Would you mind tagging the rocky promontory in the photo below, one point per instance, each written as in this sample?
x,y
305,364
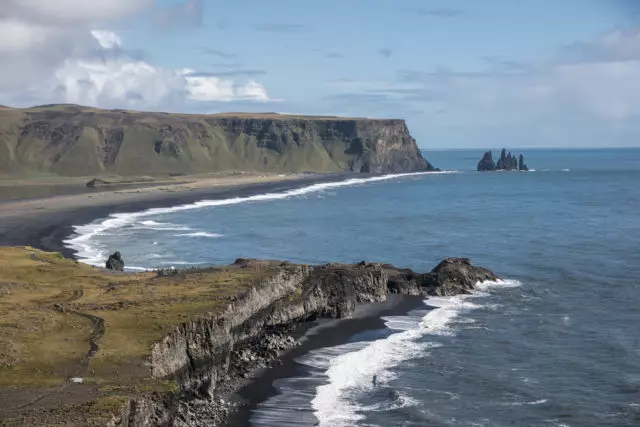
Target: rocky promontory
x,y
171,349
506,162
72,140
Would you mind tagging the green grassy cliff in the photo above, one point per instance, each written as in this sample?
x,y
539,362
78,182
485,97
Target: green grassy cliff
x,y
70,140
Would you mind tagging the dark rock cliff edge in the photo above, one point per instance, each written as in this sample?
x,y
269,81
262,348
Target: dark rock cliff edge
x,y
210,359
71,140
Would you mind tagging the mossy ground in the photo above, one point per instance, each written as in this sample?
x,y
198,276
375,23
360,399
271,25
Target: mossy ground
x,y
48,307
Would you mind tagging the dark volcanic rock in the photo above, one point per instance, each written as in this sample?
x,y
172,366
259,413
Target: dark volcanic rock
x,y
487,163
506,162
97,182
454,276
210,358
115,262
521,165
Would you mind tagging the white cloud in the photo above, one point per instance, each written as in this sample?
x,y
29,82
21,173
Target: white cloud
x,y
122,81
51,52
601,83
77,11
253,90
107,39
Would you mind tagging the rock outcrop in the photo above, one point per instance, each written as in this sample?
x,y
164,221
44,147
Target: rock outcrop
x,y
521,165
115,262
71,140
506,162
487,163
210,358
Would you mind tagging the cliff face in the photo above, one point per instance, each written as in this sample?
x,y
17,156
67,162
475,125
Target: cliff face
x,y
208,357
75,141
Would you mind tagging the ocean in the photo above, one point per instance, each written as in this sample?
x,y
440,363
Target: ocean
x,y
556,343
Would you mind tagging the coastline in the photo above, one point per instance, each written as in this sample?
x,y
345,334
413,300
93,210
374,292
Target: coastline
x,y
321,333
44,223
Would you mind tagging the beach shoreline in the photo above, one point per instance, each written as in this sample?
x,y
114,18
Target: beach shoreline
x,y
311,336
45,222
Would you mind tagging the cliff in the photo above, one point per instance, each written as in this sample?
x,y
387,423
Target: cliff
x,y
71,140
89,347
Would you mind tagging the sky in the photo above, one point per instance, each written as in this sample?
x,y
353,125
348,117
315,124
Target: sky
x,y
463,73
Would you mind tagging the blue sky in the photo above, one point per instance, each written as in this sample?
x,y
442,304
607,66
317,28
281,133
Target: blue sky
x,y
463,73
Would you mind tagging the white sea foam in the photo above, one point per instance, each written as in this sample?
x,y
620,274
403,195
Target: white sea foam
x,y
183,263
349,368
199,234
81,241
134,268
161,226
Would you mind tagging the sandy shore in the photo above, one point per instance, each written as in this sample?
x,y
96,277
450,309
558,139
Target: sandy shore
x,y
45,222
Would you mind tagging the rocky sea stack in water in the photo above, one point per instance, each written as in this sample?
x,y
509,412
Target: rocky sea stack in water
x,y
506,162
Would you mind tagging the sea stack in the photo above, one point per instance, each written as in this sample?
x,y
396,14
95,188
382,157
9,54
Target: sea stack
x,y
521,165
506,162
487,163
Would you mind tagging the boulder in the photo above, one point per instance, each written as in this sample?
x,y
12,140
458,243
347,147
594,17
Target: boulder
x,y
487,163
97,182
115,262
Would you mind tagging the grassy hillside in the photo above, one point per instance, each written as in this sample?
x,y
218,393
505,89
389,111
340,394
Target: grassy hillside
x,y
71,140
56,312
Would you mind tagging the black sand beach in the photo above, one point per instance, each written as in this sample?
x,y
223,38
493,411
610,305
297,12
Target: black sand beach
x,y
45,227
315,335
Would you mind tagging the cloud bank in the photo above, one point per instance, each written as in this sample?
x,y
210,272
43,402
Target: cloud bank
x,y
61,52
591,85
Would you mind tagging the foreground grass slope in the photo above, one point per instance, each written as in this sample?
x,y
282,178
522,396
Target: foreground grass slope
x,y
71,140
61,320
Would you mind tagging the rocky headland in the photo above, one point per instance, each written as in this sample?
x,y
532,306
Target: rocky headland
x,y
506,162
171,347
71,140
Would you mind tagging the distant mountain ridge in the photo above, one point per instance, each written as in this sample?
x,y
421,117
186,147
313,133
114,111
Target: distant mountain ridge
x,y
72,140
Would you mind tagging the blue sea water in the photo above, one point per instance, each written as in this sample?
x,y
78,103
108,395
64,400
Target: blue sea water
x,y
557,343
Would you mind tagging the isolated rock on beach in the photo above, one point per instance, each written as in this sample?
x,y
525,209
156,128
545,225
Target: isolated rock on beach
x,y
97,182
487,163
115,262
